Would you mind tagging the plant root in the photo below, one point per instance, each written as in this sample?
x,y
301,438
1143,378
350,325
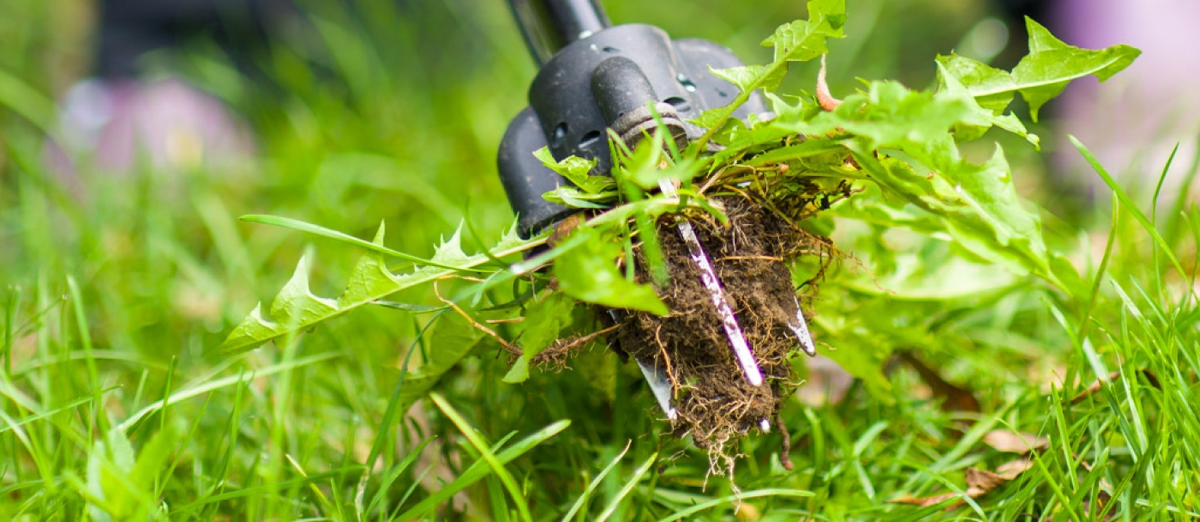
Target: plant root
x,y
715,403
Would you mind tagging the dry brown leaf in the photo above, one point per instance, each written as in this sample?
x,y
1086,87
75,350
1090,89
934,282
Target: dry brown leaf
x,y
979,483
1010,470
982,480
1015,442
925,501
1094,388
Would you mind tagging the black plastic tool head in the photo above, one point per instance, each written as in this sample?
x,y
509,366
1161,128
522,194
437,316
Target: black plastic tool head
x,y
608,79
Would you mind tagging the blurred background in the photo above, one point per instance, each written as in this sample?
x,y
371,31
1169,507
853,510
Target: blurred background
x,y
125,166
129,119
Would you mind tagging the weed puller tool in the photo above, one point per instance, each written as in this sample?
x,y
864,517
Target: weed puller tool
x,y
595,76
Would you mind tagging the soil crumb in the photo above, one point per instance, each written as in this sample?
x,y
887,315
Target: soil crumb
x,y
715,403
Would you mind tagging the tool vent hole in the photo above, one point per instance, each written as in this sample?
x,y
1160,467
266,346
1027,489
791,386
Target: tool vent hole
x,y
686,82
589,139
560,134
680,104
612,50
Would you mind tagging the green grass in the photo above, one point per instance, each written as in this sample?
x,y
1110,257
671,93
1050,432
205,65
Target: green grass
x,y
109,406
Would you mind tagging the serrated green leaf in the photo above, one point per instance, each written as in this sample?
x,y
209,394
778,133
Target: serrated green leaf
x,y
712,118
989,190
992,88
450,252
575,198
871,207
368,278
1041,75
802,110
803,150
951,278
589,273
576,170
984,118
1051,64
296,303
750,77
890,116
798,41
645,167
977,204
741,139
297,309
512,240
120,482
804,40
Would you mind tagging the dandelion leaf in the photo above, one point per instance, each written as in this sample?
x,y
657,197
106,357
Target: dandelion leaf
x,y
1041,75
296,303
798,41
297,309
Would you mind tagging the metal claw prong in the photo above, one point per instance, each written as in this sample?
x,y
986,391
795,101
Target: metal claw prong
x,y
660,386
656,376
800,328
716,293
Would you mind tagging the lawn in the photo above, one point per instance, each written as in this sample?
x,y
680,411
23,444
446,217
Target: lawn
x,y
983,389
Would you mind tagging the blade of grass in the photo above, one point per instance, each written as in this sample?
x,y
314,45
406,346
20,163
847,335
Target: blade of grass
x,y
328,507
1085,321
39,415
1129,204
481,446
10,327
23,99
629,484
263,489
221,383
793,493
1181,198
1154,215
391,415
479,469
318,230
587,492
394,474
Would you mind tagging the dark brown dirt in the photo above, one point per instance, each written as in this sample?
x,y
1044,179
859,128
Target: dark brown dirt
x,y
716,404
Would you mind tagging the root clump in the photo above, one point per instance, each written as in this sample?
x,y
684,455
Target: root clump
x,y
715,403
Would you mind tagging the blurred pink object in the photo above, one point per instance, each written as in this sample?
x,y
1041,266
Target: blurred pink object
x,y
120,127
1132,121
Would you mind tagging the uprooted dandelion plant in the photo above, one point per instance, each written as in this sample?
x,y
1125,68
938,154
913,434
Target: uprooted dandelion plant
x,y
764,195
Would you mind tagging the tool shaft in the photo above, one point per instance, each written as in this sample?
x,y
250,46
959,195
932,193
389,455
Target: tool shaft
x,y
550,25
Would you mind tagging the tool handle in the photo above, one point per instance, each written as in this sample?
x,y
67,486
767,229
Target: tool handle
x,y
550,25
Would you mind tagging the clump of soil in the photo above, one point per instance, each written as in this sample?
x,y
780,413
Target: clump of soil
x,y
715,403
